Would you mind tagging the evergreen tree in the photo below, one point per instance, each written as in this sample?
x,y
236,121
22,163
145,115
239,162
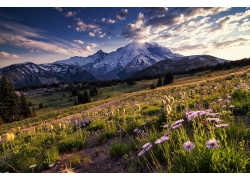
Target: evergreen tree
x,y
10,106
24,107
168,78
159,83
86,97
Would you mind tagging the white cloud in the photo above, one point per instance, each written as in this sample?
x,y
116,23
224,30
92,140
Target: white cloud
x,y
58,9
81,26
111,21
103,19
69,26
122,14
137,31
91,34
70,14
102,35
5,55
78,41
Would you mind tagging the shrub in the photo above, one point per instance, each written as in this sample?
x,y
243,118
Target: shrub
x,y
118,149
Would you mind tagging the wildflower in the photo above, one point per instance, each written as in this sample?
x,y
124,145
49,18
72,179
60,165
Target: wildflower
x,y
221,125
141,152
176,126
51,127
51,165
33,166
162,139
232,106
60,125
212,143
10,137
136,130
146,145
177,122
165,127
214,119
188,146
145,148
167,133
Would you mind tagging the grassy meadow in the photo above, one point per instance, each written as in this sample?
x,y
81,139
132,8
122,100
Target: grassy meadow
x,y
197,124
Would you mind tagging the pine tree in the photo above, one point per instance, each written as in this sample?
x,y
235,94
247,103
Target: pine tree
x,y
10,106
168,78
159,83
86,97
25,110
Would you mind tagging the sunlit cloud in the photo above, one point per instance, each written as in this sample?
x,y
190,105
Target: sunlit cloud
x,y
5,55
70,14
91,34
122,14
58,9
103,19
81,26
78,41
111,21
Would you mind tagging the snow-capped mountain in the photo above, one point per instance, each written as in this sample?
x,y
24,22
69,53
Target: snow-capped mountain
x,y
26,74
123,62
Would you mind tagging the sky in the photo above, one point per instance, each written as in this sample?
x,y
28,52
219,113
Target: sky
x,y
47,32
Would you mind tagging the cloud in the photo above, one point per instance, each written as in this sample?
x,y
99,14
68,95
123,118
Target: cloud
x,y
103,19
155,10
70,14
32,39
189,47
111,21
136,31
69,26
5,55
81,26
231,43
122,14
102,35
58,9
179,15
91,34
78,41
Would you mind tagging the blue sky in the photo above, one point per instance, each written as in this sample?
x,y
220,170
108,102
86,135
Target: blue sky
x,y
41,34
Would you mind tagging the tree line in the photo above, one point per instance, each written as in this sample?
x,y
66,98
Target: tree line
x,y
12,106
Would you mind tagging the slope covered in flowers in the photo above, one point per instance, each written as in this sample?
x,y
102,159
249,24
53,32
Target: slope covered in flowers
x,y
197,127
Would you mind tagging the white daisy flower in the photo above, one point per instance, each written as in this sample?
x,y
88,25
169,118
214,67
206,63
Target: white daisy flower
x,y
212,143
188,145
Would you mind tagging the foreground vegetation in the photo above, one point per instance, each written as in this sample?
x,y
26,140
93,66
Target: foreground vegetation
x,y
196,124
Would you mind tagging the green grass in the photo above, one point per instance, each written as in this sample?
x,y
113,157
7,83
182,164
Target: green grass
x,y
45,144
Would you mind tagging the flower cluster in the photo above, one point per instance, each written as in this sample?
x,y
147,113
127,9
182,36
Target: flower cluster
x,y
177,124
162,139
145,148
142,132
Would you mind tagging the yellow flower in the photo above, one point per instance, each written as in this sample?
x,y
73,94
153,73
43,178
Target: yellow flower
x,y
10,137
60,125
51,127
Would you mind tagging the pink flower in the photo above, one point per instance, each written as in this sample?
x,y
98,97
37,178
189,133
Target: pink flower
x,y
188,146
212,143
